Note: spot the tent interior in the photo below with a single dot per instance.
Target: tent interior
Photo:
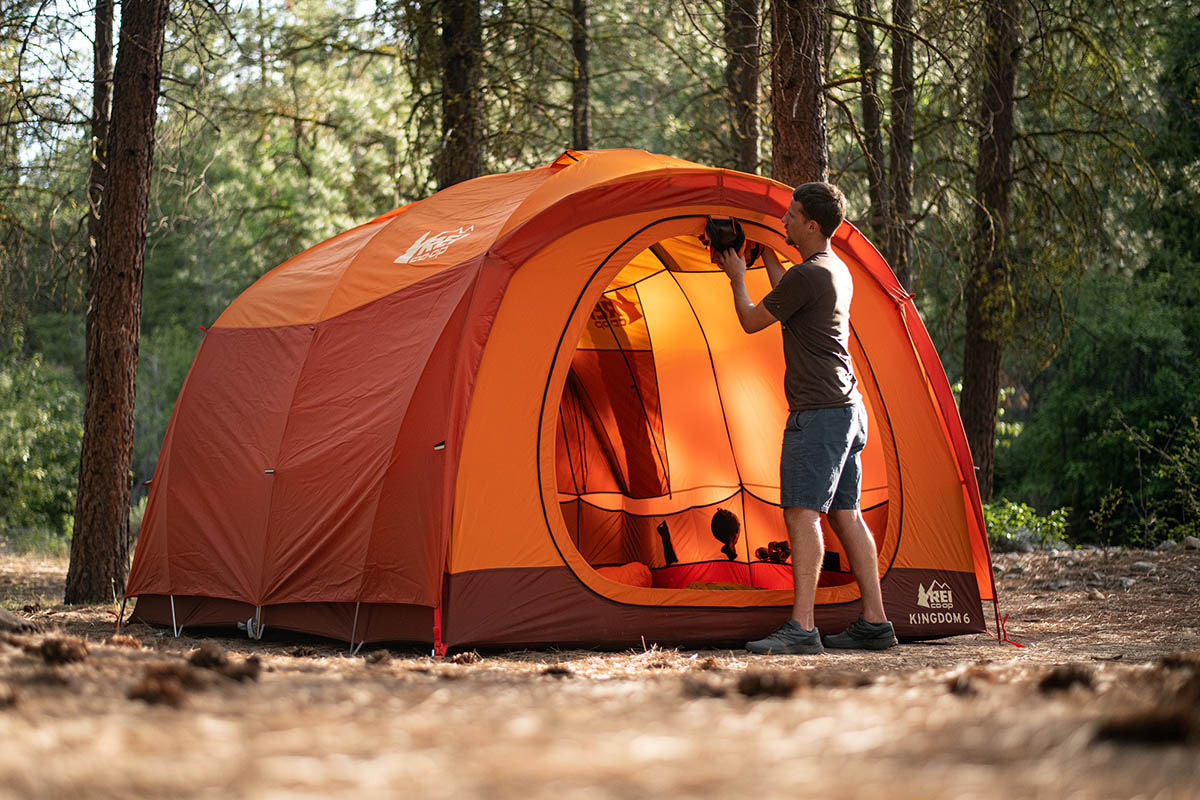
(670, 412)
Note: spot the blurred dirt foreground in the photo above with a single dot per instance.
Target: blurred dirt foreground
(1104, 701)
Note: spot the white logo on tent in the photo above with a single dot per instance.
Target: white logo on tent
(938, 595)
(430, 246)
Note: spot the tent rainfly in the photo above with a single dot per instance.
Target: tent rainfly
(506, 415)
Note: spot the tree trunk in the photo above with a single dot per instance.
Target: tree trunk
(581, 123)
(872, 127)
(462, 110)
(741, 80)
(102, 67)
(988, 295)
(798, 135)
(100, 543)
(898, 245)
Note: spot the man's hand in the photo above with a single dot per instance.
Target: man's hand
(752, 317)
(732, 264)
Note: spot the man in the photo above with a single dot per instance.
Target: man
(820, 468)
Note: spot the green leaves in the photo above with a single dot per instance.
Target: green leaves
(1013, 526)
(40, 430)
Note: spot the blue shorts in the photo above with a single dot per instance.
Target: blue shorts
(821, 466)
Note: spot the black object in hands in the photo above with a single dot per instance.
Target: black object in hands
(725, 529)
(724, 234)
(727, 234)
(668, 551)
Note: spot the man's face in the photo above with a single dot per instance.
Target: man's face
(796, 226)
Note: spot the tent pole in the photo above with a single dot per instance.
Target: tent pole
(121, 613)
(354, 629)
(174, 627)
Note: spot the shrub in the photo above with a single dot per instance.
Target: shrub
(1164, 500)
(40, 431)
(1016, 526)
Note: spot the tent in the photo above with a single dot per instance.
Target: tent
(506, 415)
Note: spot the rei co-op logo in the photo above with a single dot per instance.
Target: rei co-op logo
(615, 312)
(431, 246)
(938, 595)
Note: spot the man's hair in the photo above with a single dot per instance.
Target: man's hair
(823, 203)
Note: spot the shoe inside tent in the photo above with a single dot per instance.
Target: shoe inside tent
(508, 414)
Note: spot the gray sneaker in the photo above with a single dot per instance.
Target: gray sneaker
(792, 639)
(863, 635)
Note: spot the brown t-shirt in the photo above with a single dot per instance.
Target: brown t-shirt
(812, 301)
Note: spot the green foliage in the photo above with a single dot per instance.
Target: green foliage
(60, 339)
(1123, 389)
(1112, 431)
(1007, 427)
(1165, 501)
(1014, 525)
(40, 430)
(136, 514)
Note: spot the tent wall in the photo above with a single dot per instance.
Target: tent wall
(270, 484)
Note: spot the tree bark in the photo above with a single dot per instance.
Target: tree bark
(988, 295)
(872, 116)
(741, 80)
(799, 142)
(898, 244)
(100, 543)
(102, 67)
(462, 109)
(581, 123)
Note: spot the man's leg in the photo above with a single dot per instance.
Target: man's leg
(859, 544)
(799, 635)
(808, 551)
(872, 631)
(807, 476)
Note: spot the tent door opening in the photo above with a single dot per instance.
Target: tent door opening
(669, 429)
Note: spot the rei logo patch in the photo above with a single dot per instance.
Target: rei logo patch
(431, 246)
(938, 595)
(618, 312)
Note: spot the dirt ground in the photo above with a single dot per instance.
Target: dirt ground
(1103, 701)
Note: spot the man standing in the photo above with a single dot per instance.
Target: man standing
(820, 468)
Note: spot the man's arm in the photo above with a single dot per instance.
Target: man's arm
(753, 317)
(774, 268)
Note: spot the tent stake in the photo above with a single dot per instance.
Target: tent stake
(121, 613)
(354, 630)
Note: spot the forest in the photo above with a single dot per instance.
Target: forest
(1057, 235)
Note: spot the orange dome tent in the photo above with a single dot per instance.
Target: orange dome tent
(506, 415)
